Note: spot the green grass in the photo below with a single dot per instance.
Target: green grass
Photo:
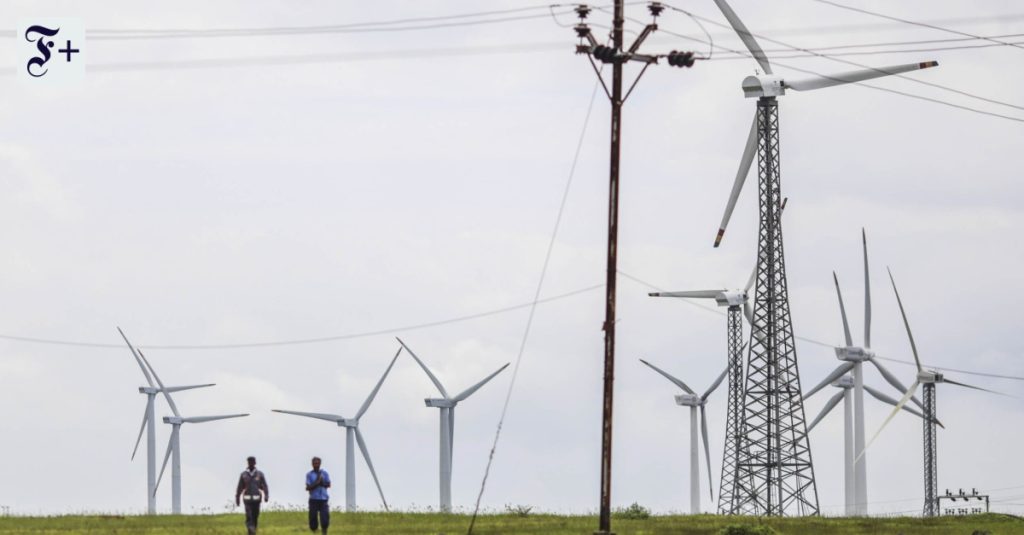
(272, 523)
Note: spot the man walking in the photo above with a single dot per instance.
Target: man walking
(252, 489)
(317, 483)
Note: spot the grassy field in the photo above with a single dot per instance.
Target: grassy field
(272, 523)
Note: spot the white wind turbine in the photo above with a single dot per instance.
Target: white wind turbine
(693, 401)
(927, 378)
(174, 444)
(852, 358)
(766, 87)
(446, 405)
(149, 426)
(353, 435)
(846, 386)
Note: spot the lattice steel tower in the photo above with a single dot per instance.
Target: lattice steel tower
(734, 414)
(931, 459)
(774, 475)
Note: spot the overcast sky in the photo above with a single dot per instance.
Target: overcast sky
(376, 184)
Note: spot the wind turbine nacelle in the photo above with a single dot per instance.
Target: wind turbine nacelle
(843, 382)
(440, 403)
(929, 376)
(688, 400)
(731, 298)
(854, 354)
(348, 422)
(173, 420)
(148, 390)
(763, 86)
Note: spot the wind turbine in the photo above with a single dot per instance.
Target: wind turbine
(174, 444)
(148, 425)
(846, 385)
(693, 401)
(352, 434)
(446, 405)
(851, 359)
(735, 301)
(927, 378)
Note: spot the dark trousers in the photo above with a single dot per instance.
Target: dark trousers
(252, 515)
(318, 509)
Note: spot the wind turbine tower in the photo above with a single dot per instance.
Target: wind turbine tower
(446, 407)
(737, 302)
(353, 436)
(149, 425)
(693, 401)
(776, 475)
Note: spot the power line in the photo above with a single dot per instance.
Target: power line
(982, 374)
(529, 320)
(814, 52)
(333, 338)
(863, 66)
(911, 22)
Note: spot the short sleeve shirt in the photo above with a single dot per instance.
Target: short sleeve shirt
(320, 492)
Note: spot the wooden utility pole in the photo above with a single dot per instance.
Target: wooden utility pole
(617, 55)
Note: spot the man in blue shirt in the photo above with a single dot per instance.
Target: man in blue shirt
(317, 483)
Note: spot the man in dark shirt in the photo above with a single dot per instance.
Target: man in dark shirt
(252, 489)
(317, 483)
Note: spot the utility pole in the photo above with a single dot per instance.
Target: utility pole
(617, 55)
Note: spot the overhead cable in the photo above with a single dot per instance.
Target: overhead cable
(911, 22)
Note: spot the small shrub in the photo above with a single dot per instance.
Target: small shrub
(634, 512)
(518, 510)
(981, 532)
(747, 530)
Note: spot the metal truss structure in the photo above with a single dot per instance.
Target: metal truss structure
(775, 474)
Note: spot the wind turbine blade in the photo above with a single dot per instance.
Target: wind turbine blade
(707, 449)
(895, 411)
(369, 464)
(469, 391)
(892, 380)
(373, 393)
(318, 415)
(952, 382)
(425, 368)
(149, 402)
(741, 176)
(692, 294)
(887, 399)
(745, 36)
(167, 456)
(189, 387)
(675, 381)
(836, 373)
(167, 396)
(137, 359)
(903, 313)
(203, 419)
(831, 404)
(842, 310)
(748, 312)
(867, 291)
(819, 82)
(715, 384)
